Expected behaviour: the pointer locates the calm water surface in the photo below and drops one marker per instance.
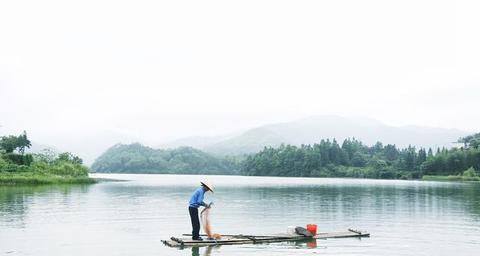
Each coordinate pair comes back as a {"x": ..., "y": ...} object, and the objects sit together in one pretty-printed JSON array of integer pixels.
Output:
[{"x": 131, "y": 217}]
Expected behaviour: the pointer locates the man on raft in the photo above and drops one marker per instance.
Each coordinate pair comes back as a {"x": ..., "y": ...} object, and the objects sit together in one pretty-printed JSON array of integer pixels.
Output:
[{"x": 196, "y": 201}]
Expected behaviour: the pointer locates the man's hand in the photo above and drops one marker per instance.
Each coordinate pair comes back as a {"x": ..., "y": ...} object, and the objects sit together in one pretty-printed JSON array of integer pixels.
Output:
[{"x": 210, "y": 205}]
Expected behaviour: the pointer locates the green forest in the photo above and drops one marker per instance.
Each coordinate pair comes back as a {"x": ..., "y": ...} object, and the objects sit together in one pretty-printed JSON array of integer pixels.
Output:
[
  {"x": 136, "y": 158},
  {"x": 354, "y": 159},
  {"x": 18, "y": 167},
  {"x": 328, "y": 158}
]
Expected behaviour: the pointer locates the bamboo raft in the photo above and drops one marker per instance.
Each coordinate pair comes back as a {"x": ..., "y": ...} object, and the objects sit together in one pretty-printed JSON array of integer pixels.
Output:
[{"x": 252, "y": 239}]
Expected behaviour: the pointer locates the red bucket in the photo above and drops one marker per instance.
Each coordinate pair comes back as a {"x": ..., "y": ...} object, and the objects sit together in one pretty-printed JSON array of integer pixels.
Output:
[{"x": 312, "y": 228}]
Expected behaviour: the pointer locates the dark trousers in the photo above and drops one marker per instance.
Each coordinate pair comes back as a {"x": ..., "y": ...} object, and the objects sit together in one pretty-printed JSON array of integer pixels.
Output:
[{"x": 195, "y": 222}]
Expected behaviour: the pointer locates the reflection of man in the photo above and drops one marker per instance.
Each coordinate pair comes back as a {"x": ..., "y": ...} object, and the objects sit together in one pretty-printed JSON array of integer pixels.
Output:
[
  {"x": 196, "y": 201},
  {"x": 195, "y": 251}
]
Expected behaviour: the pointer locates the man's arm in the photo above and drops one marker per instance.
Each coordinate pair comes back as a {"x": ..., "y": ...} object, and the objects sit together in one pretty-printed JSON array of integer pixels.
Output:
[{"x": 200, "y": 200}]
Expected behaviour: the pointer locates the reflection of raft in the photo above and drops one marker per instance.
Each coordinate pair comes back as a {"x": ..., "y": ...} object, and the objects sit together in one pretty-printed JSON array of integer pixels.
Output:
[{"x": 251, "y": 239}]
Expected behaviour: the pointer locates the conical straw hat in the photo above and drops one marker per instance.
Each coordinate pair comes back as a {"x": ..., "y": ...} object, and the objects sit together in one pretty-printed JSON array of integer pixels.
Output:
[{"x": 208, "y": 185}]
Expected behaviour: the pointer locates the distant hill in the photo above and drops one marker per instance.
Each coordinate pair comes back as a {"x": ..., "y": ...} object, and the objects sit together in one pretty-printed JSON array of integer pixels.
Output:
[
  {"x": 313, "y": 129},
  {"x": 249, "y": 142},
  {"x": 196, "y": 141},
  {"x": 136, "y": 158}
]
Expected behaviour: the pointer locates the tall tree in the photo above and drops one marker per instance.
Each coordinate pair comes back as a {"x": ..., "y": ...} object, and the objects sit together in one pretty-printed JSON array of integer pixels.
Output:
[
  {"x": 11, "y": 143},
  {"x": 422, "y": 156},
  {"x": 430, "y": 153}
]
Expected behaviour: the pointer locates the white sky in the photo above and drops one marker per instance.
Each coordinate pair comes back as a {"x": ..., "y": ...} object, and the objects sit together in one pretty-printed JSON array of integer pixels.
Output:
[{"x": 159, "y": 70}]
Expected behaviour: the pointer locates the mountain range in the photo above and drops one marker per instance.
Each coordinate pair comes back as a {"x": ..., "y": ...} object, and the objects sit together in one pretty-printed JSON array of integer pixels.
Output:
[
  {"x": 304, "y": 131},
  {"x": 313, "y": 129}
]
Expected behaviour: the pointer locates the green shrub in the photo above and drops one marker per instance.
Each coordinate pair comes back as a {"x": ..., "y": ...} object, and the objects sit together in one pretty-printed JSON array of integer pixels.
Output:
[
  {"x": 470, "y": 172},
  {"x": 6, "y": 166},
  {"x": 3, "y": 164},
  {"x": 60, "y": 168},
  {"x": 69, "y": 157},
  {"x": 18, "y": 158},
  {"x": 70, "y": 169}
]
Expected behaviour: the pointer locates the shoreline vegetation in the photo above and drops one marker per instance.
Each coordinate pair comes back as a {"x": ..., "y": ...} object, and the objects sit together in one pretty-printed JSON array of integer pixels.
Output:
[
  {"x": 464, "y": 177},
  {"x": 449, "y": 178},
  {"x": 30, "y": 178},
  {"x": 18, "y": 167},
  {"x": 350, "y": 159}
]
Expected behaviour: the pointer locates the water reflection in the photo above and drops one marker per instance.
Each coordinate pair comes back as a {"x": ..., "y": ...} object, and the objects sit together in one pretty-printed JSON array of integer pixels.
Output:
[
  {"x": 207, "y": 250},
  {"x": 210, "y": 250},
  {"x": 353, "y": 202},
  {"x": 15, "y": 201},
  {"x": 195, "y": 251}
]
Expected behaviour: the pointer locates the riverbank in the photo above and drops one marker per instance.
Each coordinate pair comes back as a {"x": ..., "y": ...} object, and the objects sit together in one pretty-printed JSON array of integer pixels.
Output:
[
  {"x": 33, "y": 178},
  {"x": 449, "y": 178},
  {"x": 57, "y": 171}
]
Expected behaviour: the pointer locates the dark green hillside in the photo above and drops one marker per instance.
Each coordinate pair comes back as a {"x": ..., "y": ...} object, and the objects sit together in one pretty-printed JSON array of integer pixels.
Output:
[{"x": 136, "y": 158}]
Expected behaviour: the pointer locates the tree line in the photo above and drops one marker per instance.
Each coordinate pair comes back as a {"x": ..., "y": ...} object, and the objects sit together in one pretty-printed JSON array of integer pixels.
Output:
[
  {"x": 327, "y": 158},
  {"x": 354, "y": 159}
]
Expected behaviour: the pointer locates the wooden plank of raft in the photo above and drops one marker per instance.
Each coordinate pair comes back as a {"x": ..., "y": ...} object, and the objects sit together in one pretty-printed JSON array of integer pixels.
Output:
[
  {"x": 250, "y": 239},
  {"x": 239, "y": 239},
  {"x": 338, "y": 234},
  {"x": 176, "y": 242}
]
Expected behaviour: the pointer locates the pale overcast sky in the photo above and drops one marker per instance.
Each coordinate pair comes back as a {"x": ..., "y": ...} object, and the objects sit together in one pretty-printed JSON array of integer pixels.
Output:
[{"x": 159, "y": 70}]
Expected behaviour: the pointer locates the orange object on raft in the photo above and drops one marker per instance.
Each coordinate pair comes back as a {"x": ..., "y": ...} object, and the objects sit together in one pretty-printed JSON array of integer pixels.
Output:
[{"x": 312, "y": 228}]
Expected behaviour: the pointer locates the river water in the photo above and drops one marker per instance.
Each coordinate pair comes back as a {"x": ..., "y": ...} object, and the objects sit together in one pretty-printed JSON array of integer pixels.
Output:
[{"x": 132, "y": 217}]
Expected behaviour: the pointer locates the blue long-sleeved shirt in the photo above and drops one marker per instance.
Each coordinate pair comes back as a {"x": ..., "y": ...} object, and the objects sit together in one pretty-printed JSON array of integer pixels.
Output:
[{"x": 197, "y": 198}]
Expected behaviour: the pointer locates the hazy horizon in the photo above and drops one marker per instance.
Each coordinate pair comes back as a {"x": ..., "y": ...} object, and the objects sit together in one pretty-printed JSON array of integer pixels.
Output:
[{"x": 152, "y": 141}]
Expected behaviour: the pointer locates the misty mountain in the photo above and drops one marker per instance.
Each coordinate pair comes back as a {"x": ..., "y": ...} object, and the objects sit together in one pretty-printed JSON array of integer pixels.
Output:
[
  {"x": 313, "y": 129},
  {"x": 250, "y": 141},
  {"x": 196, "y": 141}
]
